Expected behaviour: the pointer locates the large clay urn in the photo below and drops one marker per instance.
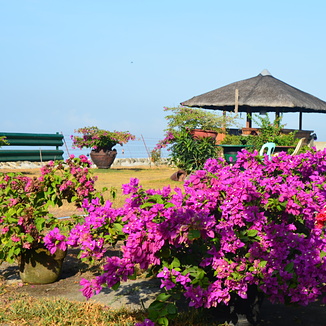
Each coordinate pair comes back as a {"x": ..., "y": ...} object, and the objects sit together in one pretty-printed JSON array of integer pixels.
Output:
[
  {"x": 39, "y": 266},
  {"x": 103, "y": 158}
]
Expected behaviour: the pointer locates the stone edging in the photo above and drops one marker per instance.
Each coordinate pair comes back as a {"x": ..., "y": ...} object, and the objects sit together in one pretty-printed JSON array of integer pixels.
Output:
[{"x": 117, "y": 162}]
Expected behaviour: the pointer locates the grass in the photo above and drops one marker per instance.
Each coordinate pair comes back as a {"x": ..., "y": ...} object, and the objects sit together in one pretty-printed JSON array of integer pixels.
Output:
[
  {"x": 155, "y": 177},
  {"x": 24, "y": 310},
  {"x": 150, "y": 177},
  {"x": 21, "y": 310},
  {"x": 114, "y": 178}
]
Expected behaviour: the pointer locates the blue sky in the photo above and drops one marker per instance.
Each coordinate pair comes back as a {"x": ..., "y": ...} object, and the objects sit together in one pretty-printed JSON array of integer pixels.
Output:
[{"x": 67, "y": 64}]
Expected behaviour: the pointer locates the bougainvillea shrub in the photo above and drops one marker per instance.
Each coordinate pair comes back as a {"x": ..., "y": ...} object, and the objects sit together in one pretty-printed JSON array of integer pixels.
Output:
[
  {"x": 25, "y": 218},
  {"x": 257, "y": 222}
]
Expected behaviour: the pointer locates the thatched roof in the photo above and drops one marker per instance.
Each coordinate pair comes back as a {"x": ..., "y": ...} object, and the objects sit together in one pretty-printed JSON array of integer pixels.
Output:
[{"x": 260, "y": 93}]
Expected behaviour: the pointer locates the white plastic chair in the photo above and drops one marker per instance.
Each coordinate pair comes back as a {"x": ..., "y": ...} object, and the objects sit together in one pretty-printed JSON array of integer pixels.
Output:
[
  {"x": 299, "y": 146},
  {"x": 270, "y": 149}
]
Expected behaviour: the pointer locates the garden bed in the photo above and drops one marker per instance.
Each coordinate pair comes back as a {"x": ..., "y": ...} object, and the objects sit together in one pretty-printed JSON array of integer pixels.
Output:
[{"x": 136, "y": 294}]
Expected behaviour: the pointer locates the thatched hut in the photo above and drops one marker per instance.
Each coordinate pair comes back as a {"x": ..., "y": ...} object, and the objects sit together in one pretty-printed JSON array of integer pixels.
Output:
[{"x": 263, "y": 93}]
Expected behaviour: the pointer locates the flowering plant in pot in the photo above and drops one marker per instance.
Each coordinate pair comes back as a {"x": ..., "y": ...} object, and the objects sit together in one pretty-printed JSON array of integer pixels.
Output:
[
  {"x": 186, "y": 152},
  {"x": 25, "y": 218},
  {"x": 101, "y": 142},
  {"x": 257, "y": 225},
  {"x": 97, "y": 139}
]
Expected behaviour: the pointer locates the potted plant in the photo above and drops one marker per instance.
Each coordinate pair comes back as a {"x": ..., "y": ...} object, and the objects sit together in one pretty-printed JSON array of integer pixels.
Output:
[
  {"x": 200, "y": 123},
  {"x": 267, "y": 132},
  {"x": 189, "y": 153},
  {"x": 190, "y": 150},
  {"x": 271, "y": 132},
  {"x": 232, "y": 144},
  {"x": 101, "y": 143},
  {"x": 29, "y": 233}
]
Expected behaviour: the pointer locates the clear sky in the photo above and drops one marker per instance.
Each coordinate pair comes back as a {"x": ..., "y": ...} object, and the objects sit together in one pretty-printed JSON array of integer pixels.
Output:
[{"x": 115, "y": 64}]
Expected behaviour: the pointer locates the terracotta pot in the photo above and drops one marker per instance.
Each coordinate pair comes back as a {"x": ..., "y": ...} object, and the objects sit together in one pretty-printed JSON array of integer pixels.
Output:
[
  {"x": 219, "y": 138},
  {"x": 103, "y": 158},
  {"x": 39, "y": 266},
  {"x": 199, "y": 133}
]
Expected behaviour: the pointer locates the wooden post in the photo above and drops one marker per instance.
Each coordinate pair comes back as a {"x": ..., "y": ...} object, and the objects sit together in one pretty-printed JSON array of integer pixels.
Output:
[
  {"x": 277, "y": 116},
  {"x": 236, "y": 107},
  {"x": 249, "y": 119},
  {"x": 300, "y": 120},
  {"x": 224, "y": 122}
]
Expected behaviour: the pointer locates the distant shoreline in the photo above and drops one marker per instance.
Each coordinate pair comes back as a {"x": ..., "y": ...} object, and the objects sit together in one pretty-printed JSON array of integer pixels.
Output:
[{"x": 117, "y": 162}]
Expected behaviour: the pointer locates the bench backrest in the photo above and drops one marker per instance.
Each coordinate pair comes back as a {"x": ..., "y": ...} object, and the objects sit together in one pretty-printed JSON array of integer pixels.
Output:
[{"x": 29, "y": 139}]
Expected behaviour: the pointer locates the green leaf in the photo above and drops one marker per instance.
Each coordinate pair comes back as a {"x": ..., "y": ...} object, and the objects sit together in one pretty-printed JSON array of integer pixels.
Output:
[
  {"x": 252, "y": 233},
  {"x": 116, "y": 286},
  {"x": 118, "y": 227},
  {"x": 156, "y": 306},
  {"x": 163, "y": 321},
  {"x": 133, "y": 276},
  {"x": 322, "y": 254},
  {"x": 17, "y": 251},
  {"x": 289, "y": 267},
  {"x": 193, "y": 234},
  {"x": 40, "y": 223},
  {"x": 147, "y": 205},
  {"x": 163, "y": 297},
  {"x": 201, "y": 274},
  {"x": 168, "y": 205},
  {"x": 175, "y": 263},
  {"x": 172, "y": 309},
  {"x": 236, "y": 276},
  {"x": 29, "y": 238}
]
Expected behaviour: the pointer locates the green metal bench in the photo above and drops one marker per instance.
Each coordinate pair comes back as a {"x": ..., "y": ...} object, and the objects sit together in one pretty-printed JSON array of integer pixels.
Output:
[{"x": 28, "y": 139}]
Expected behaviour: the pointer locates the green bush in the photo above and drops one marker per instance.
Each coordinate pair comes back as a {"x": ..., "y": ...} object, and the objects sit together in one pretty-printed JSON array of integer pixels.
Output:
[
  {"x": 190, "y": 154},
  {"x": 193, "y": 118}
]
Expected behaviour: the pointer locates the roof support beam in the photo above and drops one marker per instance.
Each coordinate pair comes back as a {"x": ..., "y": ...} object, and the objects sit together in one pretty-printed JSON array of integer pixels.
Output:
[{"x": 300, "y": 120}]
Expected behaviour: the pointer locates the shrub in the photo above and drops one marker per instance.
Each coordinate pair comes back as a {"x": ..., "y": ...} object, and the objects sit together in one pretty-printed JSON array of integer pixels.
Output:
[
  {"x": 192, "y": 118},
  {"x": 25, "y": 221},
  {"x": 189, "y": 153},
  {"x": 259, "y": 222}
]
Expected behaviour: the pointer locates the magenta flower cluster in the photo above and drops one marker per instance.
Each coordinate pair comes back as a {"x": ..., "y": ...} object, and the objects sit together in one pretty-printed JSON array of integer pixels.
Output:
[
  {"x": 95, "y": 138},
  {"x": 168, "y": 140},
  {"x": 254, "y": 222}
]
